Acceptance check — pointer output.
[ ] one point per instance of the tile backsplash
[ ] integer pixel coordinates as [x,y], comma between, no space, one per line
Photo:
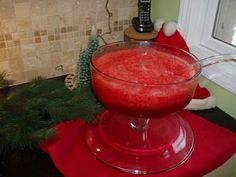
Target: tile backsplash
[44,37]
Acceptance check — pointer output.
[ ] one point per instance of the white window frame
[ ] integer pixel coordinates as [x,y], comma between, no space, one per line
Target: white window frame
[195,23]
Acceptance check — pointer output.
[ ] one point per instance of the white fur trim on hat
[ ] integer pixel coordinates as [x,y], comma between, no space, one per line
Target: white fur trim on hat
[169,28]
[201,104]
[158,24]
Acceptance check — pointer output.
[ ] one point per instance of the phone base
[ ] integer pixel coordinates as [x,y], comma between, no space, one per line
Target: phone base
[142,28]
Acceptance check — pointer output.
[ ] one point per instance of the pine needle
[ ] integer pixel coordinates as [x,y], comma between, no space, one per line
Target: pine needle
[29,115]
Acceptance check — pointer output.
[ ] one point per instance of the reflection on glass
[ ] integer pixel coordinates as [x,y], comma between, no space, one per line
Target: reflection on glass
[225,24]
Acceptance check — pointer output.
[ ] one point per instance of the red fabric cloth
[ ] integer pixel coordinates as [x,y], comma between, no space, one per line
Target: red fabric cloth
[213,146]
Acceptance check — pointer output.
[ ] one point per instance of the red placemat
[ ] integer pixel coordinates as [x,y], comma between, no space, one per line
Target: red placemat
[213,146]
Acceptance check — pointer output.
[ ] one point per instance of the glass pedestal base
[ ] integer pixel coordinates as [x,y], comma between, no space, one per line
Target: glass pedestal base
[138,145]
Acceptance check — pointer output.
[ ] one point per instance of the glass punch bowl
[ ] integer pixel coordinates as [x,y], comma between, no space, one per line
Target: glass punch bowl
[143,85]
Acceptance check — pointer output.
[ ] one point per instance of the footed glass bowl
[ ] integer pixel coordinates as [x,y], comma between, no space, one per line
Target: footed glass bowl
[142,85]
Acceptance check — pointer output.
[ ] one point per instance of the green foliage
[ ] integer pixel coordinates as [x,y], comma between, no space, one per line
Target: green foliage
[29,115]
[3,82]
[84,78]
[84,75]
[93,44]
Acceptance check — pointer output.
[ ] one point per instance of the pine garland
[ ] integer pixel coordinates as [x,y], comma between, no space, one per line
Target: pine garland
[3,81]
[29,115]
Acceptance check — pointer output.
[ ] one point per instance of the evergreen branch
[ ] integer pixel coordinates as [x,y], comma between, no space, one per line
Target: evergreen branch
[29,115]
[3,81]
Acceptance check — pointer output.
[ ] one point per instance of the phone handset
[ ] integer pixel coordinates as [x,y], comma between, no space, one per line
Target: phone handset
[143,22]
[144,12]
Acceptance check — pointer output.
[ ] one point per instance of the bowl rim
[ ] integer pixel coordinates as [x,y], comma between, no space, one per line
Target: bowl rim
[146,44]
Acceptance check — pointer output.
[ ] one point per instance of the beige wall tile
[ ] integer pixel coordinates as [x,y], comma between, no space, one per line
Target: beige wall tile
[25,34]
[22,10]
[20,1]
[14,52]
[7,10]
[44,61]
[69,55]
[46,72]
[13,43]
[55,46]
[8,36]
[52,22]
[15,36]
[51,7]
[27,41]
[101,15]
[2,37]
[30,63]
[16,65]
[4,66]
[37,8]
[37,39]
[24,24]
[17,77]
[113,3]
[37,22]
[56,58]
[64,6]
[67,45]
[42,48]
[44,37]
[132,12]
[8,26]
[28,50]
[2,44]
[3,54]
[66,19]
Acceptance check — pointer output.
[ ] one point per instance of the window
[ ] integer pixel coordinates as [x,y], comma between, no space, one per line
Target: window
[225,22]
[196,23]
[197,19]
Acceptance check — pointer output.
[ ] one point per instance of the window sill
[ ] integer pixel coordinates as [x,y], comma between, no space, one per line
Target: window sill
[223,74]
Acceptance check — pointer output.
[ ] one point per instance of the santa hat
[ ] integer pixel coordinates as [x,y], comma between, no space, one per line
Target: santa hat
[168,34]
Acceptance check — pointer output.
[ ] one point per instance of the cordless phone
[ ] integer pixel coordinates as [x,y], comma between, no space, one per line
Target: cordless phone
[143,22]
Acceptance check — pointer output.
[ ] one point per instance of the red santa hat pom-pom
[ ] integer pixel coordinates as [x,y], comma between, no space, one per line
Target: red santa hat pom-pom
[168,34]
